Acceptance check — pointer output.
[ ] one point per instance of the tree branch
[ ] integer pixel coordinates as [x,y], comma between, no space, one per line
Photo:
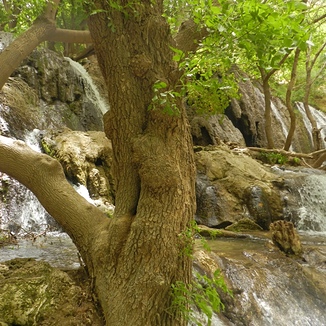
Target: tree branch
[281,151]
[189,35]
[44,176]
[70,36]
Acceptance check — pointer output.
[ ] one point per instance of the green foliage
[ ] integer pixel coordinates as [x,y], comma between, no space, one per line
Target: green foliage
[47,148]
[19,14]
[295,161]
[273,158]
[210,85]
[71,15]
[164,99]
[201,293]
[187,238]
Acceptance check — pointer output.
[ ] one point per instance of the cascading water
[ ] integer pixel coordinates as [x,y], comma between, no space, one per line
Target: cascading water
[275,112]
[90,88]
[23,212]
[320,121]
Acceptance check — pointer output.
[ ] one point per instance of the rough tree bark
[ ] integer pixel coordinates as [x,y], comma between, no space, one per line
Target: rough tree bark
[135,257]
[268,111]
[153,164]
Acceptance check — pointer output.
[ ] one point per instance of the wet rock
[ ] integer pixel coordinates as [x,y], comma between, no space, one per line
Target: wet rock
[34,293]
[285,237]
[47,92]
[268,287]
[214,129]
[262,204]
[231,185]
[208,202]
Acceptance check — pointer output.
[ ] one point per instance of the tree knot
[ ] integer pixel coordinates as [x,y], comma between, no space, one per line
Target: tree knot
[140,64]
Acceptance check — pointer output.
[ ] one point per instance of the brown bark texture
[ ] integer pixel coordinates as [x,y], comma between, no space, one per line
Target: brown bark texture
[136,256]
[153,166]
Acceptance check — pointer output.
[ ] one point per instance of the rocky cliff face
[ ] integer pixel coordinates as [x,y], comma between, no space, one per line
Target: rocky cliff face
[46,92]
[243,123]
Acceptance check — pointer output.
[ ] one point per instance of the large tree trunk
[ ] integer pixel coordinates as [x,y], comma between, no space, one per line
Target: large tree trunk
[153,166]
[135,257]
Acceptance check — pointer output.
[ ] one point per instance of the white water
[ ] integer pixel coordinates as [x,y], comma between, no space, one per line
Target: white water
[275,112]
[23,213]
[320,121]
[5,39]
[89,86]
[279,119]
[4,129]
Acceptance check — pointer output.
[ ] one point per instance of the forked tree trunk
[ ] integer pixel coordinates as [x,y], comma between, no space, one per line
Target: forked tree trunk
[153,165]
[135,257]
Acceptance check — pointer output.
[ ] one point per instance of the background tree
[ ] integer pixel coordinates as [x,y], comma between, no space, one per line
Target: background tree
[288,100]
[259,37]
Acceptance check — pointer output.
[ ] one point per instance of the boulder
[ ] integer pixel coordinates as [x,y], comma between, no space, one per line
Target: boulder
[231,186]
[34,293]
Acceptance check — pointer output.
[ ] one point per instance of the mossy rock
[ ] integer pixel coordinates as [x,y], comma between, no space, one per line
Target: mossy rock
[34,293]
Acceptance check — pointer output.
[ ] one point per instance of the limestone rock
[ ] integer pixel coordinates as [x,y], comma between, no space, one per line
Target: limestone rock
[231,185]
[86,159]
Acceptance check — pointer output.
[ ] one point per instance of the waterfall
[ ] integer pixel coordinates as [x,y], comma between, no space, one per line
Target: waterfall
[275,112]
[22,212]
[4,128]
[5,39]
[279,119]
[89,86]
[320,121]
